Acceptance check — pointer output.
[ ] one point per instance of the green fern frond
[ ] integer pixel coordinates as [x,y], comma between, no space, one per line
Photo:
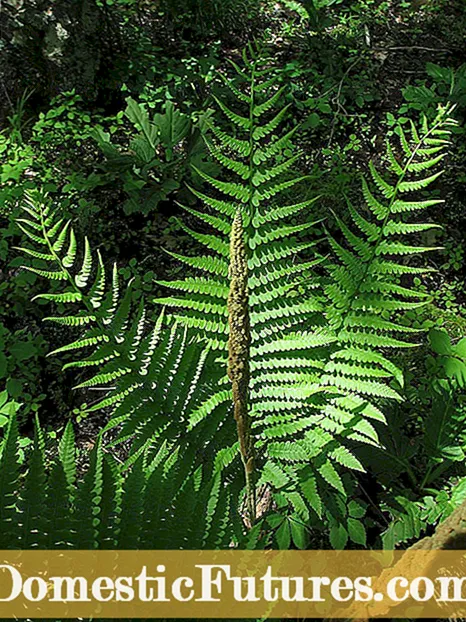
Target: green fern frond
[367,298]
[9,485]
[149,377]
[282,290]
[143,504]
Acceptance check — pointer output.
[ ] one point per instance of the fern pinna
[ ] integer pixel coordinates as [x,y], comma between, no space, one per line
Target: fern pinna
[55,504]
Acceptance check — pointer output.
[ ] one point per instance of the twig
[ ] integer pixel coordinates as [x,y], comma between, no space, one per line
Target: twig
[337,98]
[410,47]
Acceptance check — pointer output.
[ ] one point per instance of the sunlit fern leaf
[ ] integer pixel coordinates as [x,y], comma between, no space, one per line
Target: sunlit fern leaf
[148,377]
[286,311]
[367,298]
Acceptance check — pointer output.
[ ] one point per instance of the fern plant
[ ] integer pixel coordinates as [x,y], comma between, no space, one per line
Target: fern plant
[135,505]
[318,374]
[151,378]
[319,368]
[288,336]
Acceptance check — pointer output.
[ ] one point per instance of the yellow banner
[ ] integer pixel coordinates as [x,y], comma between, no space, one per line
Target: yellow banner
[232,584]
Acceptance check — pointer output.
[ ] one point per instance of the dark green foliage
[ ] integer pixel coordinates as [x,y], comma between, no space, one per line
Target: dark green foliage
[423,476]
[9,475]
[208,17]
[321,378]
[446,84]
[157,161]
[45,506]
[316,13]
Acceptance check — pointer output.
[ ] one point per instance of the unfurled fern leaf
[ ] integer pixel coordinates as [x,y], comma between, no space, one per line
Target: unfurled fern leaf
[59,530]
[110,505]
[151,379]
[87,502]
[132,507]
[33,501]
[370,283]
[288,332]
[145,372]
[407,523]
[9,476]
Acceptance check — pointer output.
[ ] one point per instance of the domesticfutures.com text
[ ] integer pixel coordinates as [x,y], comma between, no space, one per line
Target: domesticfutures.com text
[210,582]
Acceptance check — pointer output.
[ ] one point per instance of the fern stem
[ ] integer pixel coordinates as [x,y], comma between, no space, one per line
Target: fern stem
[239,343]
